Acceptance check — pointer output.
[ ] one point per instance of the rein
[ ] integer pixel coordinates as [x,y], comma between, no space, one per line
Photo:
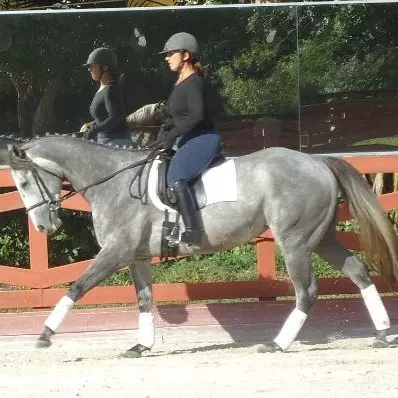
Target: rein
[55,204]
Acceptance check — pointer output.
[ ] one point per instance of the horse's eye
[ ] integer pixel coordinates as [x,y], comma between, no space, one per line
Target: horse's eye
[25,184]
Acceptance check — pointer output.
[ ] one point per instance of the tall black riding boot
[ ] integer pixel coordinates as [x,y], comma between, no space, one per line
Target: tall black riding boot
[190,215]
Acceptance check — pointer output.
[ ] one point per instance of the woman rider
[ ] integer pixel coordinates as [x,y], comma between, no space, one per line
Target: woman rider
[191,129]
[107,107]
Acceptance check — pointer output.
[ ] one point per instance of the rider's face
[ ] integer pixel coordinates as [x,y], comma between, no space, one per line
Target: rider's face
[174,59]
[95,71]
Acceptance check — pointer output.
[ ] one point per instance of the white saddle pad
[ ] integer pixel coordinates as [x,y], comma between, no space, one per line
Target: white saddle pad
[219,184]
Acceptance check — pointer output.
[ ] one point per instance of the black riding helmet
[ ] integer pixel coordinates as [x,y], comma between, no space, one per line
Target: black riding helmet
[184,42]
[102,56]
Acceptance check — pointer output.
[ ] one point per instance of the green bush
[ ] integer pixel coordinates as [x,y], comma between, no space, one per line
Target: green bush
[74,240]
[238,264]
[14,246]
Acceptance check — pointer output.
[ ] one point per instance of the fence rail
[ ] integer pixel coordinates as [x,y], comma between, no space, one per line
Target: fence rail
[36,287]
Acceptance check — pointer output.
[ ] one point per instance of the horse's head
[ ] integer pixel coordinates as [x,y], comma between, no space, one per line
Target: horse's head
[39,183]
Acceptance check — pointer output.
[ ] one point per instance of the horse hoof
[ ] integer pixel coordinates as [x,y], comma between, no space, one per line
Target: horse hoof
[135,352]
[43,343]
[269,347]
[377,343]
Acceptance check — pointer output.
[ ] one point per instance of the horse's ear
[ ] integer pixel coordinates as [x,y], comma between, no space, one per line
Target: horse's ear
[16,152]
[16,155]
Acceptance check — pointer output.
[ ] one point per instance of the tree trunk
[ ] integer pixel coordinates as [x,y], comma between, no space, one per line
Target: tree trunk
[44,114]
[28,93]
[24,116]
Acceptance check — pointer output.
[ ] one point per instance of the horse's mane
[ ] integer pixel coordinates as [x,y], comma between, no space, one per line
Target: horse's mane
[29,142]
[11,138]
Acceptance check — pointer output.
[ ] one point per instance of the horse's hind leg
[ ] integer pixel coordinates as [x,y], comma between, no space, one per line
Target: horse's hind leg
[298,262]
[141,274]
[342,259]
[107,261]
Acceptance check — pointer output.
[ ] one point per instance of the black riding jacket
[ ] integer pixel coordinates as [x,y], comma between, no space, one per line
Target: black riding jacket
[108,112]
[188,110]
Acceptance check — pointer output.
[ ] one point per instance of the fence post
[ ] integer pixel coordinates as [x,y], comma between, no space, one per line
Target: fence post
[266,262]
[38,251]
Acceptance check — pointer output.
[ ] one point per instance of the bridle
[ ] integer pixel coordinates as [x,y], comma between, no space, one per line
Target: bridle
[55,203]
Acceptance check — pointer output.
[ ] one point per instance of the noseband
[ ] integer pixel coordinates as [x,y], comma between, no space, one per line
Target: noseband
[53,203]
[28,164]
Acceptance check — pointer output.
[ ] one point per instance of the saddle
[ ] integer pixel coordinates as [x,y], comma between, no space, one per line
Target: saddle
[166,196]
[197,188]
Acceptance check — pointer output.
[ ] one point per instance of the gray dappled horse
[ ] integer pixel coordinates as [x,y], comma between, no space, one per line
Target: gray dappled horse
[292,193]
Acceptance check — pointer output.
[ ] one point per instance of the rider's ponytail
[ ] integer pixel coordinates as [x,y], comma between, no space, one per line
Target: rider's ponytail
[199,68]
[113,75]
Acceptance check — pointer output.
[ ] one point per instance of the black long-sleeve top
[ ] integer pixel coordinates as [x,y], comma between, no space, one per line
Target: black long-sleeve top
[188,109]
[108,112]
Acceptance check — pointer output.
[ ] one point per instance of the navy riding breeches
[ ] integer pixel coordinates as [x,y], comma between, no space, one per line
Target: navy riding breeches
[194,157]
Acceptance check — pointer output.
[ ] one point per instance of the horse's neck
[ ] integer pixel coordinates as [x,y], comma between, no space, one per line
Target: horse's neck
[83,168]
[85,164]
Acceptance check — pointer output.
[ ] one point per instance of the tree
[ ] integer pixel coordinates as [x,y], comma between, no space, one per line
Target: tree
[339,48]
[262,77]
[347,48]
[38,66]
[44,58]
[255,60]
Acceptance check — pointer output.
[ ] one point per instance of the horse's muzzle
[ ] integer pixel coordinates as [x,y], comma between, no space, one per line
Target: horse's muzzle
[51,229]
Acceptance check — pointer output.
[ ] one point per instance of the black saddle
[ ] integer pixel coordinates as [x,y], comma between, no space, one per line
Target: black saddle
[196,186]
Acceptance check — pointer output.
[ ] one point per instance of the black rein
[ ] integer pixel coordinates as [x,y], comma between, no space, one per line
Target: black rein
[55,204]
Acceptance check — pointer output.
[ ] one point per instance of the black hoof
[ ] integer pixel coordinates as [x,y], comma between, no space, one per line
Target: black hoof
[44,339]
[380,340]
[135,352]
[269,347]
[43,343]
[377,343]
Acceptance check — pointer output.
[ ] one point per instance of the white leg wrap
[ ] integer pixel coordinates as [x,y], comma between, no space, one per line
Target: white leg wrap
[290,329]
[59,313]
[376,308]
[146,329]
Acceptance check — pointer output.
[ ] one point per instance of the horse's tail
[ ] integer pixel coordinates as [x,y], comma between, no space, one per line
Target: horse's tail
[377,235]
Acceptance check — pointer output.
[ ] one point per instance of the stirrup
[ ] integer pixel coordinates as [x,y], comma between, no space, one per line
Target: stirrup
[173,237]
[172,241]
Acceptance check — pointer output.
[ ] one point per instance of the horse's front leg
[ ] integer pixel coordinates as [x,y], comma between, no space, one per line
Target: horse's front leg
[141,275]
[108,260]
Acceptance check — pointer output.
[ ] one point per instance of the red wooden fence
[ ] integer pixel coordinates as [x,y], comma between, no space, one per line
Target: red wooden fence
[341,123]
[36,287]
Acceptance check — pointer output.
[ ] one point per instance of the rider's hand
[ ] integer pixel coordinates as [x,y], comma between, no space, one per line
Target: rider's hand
[161,143]
[167,125]
[164,141]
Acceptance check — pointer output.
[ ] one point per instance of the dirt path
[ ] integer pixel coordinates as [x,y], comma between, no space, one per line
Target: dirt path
[88,365]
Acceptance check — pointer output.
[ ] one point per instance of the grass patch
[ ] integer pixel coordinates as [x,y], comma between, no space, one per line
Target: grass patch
[238,264]
[393,141]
